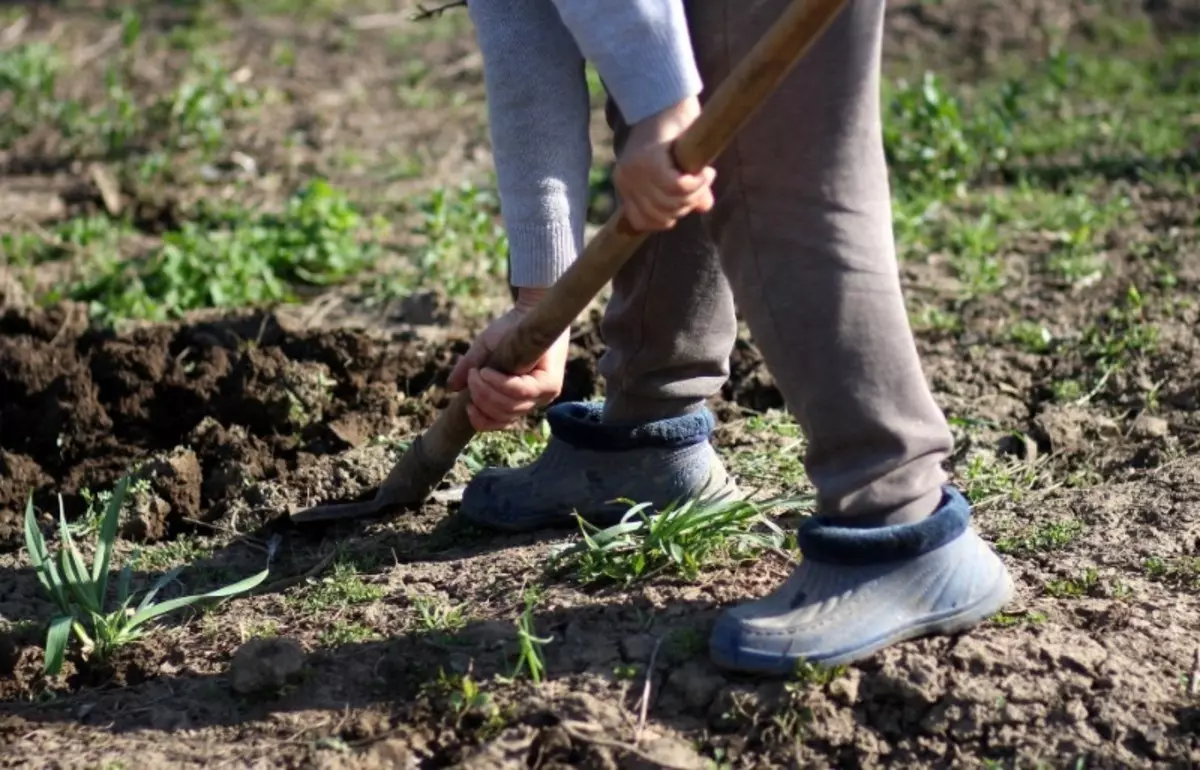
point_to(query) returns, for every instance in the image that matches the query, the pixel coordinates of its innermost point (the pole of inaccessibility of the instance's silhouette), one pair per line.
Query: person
(791, 225)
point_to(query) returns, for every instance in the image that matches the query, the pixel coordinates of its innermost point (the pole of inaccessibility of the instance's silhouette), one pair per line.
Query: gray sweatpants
(801, 238)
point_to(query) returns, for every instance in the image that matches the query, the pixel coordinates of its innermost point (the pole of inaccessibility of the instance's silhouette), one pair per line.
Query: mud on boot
(590, 466)
(858, 590)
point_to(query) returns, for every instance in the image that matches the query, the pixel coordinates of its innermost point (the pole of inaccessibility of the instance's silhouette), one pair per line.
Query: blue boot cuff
(822, 540)
(579, 424)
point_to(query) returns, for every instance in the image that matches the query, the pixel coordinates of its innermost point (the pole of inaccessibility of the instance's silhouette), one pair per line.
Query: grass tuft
(682, 539)
(80, 592)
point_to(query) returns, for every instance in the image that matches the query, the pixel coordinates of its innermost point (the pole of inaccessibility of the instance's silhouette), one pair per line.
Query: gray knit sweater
(539, 114)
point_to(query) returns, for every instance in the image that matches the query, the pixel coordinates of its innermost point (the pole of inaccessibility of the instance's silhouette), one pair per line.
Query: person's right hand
(654, 192)
(499, 400)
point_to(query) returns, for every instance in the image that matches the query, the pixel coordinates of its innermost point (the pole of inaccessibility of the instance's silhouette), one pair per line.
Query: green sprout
(80, 592)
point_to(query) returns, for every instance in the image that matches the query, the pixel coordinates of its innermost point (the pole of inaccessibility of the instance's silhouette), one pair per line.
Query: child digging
(794, 225)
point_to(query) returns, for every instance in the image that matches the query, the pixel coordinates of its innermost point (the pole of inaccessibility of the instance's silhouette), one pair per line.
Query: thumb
(472, 359)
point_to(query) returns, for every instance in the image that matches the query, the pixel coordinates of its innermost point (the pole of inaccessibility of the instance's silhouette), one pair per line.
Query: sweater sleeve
(538, 118)
(641, 48)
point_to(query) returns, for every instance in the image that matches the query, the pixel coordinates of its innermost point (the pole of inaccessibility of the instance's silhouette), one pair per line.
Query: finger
(525, 388)
(496, 404)
(649, 217)
(658, 205)
(482, 423)
(685, 185)
(705, 202)
(487, 420)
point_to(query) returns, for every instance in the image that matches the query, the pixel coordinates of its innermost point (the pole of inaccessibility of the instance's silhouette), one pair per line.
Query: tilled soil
(235, 420)
(243, 419)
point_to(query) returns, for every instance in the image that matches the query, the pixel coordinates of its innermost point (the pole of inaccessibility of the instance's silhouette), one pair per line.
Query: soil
(235, 419)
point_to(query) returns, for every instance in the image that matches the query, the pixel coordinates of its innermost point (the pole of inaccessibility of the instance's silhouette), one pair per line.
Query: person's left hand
(499, 401)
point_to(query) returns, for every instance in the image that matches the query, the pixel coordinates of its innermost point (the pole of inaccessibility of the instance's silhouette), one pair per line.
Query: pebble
(1147, 426)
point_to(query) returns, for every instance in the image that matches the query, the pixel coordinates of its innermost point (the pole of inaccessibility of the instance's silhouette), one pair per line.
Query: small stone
(695, 685)
(844, 689)
(1147, 427)
(265, 664)
(637, 648)
(1075, 710)
(667, 751)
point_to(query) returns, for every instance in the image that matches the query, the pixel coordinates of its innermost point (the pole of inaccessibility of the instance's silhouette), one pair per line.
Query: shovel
(431, 456)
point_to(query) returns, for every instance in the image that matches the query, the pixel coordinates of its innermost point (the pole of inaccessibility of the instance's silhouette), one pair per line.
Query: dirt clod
(1148, 427)
(265, 664)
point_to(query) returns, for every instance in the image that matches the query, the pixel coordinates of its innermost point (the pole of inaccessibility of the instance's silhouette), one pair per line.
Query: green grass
(680, 540)
(232, 259)
(80, 592)
(194, 113)
(1181, 571)
(506, 449)
(342, 587)
(529, 645)
(988, 478)
(1025, 161)
(461, 248)
(770, 454)
(342, 632)
(436, 615)
(182, 550)
(1043, 538)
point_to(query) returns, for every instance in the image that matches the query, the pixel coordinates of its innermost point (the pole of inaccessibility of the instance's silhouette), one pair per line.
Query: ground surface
(156, 186)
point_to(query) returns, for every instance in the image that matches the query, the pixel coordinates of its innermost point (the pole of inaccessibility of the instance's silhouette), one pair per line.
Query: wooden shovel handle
(730, 107)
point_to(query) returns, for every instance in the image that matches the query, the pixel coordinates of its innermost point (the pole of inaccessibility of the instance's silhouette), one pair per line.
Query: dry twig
(573, 730)
(313, 571)
(432, 13)
(637, 738)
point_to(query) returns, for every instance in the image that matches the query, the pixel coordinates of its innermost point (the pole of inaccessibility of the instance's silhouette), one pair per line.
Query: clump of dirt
(214, 405)
(240, 413)
(265, 664)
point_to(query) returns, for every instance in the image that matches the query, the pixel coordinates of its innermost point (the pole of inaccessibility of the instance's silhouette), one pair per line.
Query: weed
(935, 319)
(1031, 336)
(776, 457)
(343, 632)
(682, 538)
(28, 78)
(505, 449)
(1087, 583)
(925, 135)
(793, 713)
(466, 701)
(1180, 571)
(987, 478)
(435, 615)
(181, 550)
(262, 629)
(89, 522)
(1010, 619)
(686, 643)
(1122, 334)
(973, 245)
(248, 260)
(80, 594)
(807, 674)
(529, 643)
(1066, 390)
(1051, 536)
(466, 249)
(341, 588)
